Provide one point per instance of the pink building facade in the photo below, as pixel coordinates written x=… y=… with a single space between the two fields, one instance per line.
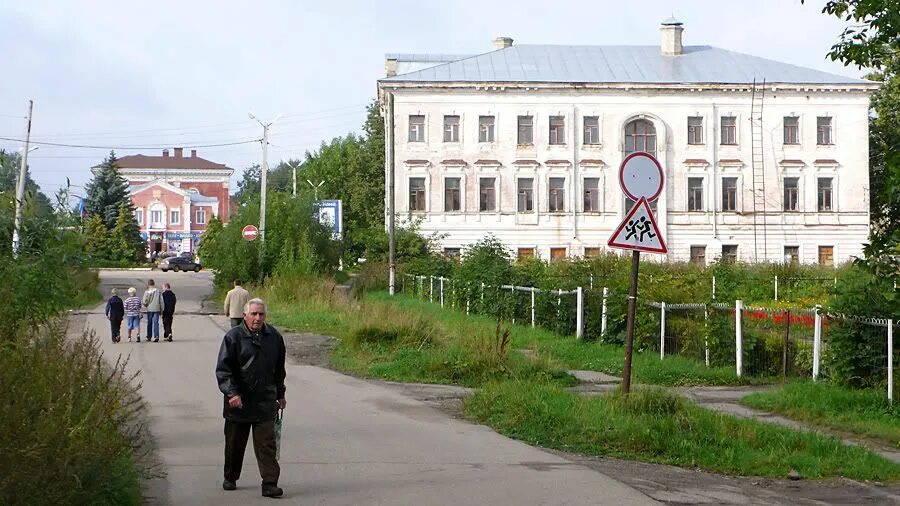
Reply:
x=175 y=196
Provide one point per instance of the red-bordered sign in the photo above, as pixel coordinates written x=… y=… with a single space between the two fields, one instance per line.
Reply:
x=638 y=231
x=250 y=232
x=641 y=176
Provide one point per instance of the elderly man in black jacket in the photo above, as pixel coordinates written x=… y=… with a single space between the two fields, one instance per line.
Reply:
x=250 y=371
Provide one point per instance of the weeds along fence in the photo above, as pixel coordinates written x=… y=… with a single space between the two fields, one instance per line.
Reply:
x=756 y=341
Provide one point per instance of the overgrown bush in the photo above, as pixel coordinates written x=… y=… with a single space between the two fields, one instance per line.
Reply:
x=68 y=422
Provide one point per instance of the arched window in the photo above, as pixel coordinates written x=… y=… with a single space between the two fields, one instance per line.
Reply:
x=640 y=135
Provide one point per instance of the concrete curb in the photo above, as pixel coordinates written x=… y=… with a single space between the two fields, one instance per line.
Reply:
x=98 y=269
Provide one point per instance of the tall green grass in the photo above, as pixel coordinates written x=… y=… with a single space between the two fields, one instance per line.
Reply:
x=657 y=426
x=859 y=411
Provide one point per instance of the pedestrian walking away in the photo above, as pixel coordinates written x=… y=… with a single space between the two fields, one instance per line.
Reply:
x=152 y=302
x=168 y=312
x=115 y=311
x=133 y=313
x=235 y=300
x=250 y=371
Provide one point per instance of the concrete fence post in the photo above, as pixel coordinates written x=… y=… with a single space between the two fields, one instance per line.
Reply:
x=738 y=338
x=482 y=294
x=430 y=288
x=890 y=346
x=817 y=343
x=592 y=281
x=714 y=288
x=662 y=330
x=579 y=315
x=706 y=331
x=512 y=290
x=776 y=287
x=603 y=313
x=442 y=291
x=532 y=308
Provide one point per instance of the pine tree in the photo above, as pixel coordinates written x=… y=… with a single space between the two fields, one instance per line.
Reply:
x=98 y=240
x=106 y=191
x=126 y=236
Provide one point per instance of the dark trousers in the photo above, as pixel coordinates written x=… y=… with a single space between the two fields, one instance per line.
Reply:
x=167 y=324
x=236 y=435
x=115 y=325
x=236 y=322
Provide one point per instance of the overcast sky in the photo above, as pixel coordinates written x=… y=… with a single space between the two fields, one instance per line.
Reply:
x=182 y=73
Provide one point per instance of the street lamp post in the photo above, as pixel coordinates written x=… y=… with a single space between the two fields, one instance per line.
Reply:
x=20 y=185
x=315 y=188
x=265 y=173
x=293 y=166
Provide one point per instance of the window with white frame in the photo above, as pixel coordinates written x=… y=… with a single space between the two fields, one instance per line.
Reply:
x=451 y=128
x=525 y=135
x=791 y=130
x=729 y=130
x=823 y=131
x=156 y=218
x=451 y=194
x=201 y=216
x=695 y=130
x=825 y=194
x=139 y=216
x=175 y=216
x=591 y=130
x=729 y=194
x=417 y=194
x=487 y=194
x=640 y=136
x=695 y=194
x=792 y=254
x=525 y=191
x=557 y=202
x=591 y=194
x=729 y=253
x=557 y=130
x=791 y=193
x=486 y=128
x=416 y=128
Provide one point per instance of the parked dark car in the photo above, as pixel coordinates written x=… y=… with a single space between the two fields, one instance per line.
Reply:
x=179 y=263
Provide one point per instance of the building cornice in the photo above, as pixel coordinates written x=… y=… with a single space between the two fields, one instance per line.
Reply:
x=865 y=88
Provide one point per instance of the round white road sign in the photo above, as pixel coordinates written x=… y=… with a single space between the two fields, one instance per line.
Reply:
x=640 y=175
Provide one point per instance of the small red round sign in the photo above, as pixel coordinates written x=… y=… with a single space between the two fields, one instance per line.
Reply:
x=250 y=232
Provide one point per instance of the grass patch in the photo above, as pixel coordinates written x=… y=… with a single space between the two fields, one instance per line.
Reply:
x=87 y=292
x=574 y=354
x=863 y=412
x=656 y=426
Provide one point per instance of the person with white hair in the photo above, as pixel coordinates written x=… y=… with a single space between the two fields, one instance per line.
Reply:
x=250 y=371
x=133 y=313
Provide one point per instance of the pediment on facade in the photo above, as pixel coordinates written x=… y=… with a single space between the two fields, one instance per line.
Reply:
x=158 y=185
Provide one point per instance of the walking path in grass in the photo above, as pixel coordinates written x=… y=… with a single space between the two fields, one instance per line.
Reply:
x=728 y=400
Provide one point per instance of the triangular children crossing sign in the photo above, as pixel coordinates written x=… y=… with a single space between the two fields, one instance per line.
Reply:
x=638 y=231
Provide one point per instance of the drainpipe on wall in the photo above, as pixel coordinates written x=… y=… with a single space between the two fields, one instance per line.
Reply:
x=574 y=172
x=715 y=163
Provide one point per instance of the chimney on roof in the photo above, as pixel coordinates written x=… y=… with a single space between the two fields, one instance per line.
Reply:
x=179 y=152
x=193 y=153
x=671 y=37
x=165 y=153
x=390 y=66
x=503 y=42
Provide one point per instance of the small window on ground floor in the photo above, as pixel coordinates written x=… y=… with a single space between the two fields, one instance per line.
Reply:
x=557 y=254
x=591 y=252
x=452 y=253
x=698 y=255
x=525 y=253
x=826 y=256
x=792 y=254
x=729 y=253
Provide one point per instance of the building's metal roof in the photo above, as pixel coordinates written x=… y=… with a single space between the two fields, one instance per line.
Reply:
x=619 y=64
x=196 y=197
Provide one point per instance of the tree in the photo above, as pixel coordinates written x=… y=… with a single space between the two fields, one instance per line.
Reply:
x=107 y=191
x=10 y=164
x=872 y=39
x=125 y=238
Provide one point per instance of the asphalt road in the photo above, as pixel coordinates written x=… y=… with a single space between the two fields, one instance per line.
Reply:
x=346 y=441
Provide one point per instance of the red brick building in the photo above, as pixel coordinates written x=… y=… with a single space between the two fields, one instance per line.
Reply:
x=175 y=196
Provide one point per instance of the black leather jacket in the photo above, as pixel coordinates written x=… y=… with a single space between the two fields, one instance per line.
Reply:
x=251 y=365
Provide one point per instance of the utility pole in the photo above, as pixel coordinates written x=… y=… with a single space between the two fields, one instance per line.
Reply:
x=264 y=175
x=294 y=176
x=20 y=184
x=392 y=243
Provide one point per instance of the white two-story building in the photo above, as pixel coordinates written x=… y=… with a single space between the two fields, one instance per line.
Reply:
x=764 y=161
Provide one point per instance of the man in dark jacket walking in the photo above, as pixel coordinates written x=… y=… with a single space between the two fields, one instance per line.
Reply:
x=250 y=371
x=168 y=299
x=115 y=311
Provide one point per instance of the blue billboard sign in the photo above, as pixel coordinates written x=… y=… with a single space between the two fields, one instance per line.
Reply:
x=330 y=213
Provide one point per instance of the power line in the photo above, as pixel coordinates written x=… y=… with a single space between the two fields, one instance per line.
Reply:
x=130 y=147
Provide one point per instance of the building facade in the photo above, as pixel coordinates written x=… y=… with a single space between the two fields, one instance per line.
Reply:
x=175 y=196
x=525 y=143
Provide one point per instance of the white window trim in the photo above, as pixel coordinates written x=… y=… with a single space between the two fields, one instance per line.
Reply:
x=172 y=212
x=704 y=134
x=535 y=135
x=800 y=130
x=567 y=201
x=497 y=192
x=801 y=192
x=834 y=140
x=797 y=245
x=739 y=192
x=534 y=192
x=835 y=208
x=494 y=142
x=601 y=190
x=462 y=127
x=462 y=192
x=197 y=216
x=406 y=187
x=599 y=116
x=424 y=128
x=139 y=215
x=416 y=146
x=737 y=130
x=567 y=130
x=704 y=208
